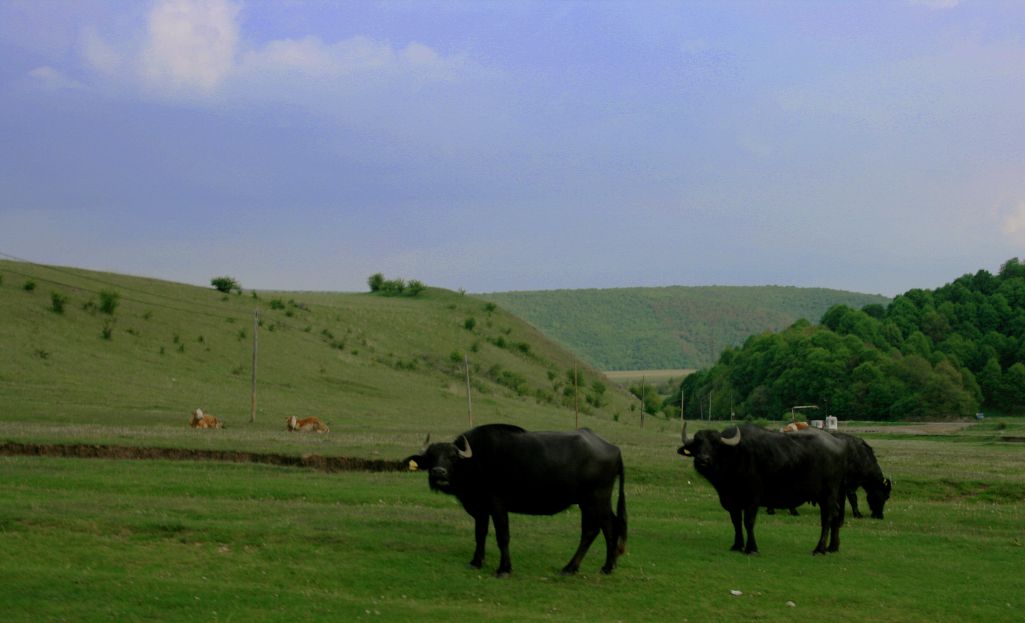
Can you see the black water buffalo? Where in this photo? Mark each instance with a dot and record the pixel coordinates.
(504, 469)
(753, 467)
(862, 471)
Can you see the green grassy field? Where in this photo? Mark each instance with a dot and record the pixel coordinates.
(155, 540)
(86, 540)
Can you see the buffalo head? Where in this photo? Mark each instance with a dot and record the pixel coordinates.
(441, 461)
(877, 492)
(705, 446)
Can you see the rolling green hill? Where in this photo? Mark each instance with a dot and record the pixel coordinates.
(672, 327)
(375, 368)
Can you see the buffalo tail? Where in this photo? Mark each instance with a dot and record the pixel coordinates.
(621, 513)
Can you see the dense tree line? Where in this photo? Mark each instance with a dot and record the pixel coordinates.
(942, 353)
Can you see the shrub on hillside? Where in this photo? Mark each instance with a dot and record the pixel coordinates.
(394, 287)
(226, 285)
(109, 300)
(29, 286)
(57, 302)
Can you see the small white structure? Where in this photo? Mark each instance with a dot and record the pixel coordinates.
(831, 422)
(816, 423)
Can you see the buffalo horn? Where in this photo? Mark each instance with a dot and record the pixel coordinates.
(427, 442)
(732, 441)
(465, 453)
(683, 434)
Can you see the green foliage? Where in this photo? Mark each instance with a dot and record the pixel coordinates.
(226, 285)
(395, 287)
(109, 300)
(664, 328)
(470, 323)
(57, 302)
(415, 287)
(29, 285)
(277, 304)
(929, 354)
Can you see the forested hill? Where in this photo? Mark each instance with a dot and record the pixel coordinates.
(928, 354)
(671, 327)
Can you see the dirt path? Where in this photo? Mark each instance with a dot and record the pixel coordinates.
(917, 428)
(309, 461)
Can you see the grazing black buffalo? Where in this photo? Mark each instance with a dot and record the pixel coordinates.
(754, 467)
(863, 471)
(504, 469)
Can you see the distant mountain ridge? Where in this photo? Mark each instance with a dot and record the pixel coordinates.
(668, 327)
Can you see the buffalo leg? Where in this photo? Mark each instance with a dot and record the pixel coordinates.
(827, 514)
(612, 551)
(481, 533)
(589, 527)
(738, 530)
(852, 497)
(749, 523)
(501, 519)
(839, 511)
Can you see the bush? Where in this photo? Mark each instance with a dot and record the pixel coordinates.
(415, 287)
(226, 285)
(375, 281)
(57, 302)
(470, 323)
(29, 286)
(108, 301)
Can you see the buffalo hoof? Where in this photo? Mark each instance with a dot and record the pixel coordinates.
(607, 570)
(567, 571)
(502, 575)
(737, 548)
(476, 564)
(818, 551)
(753, 552)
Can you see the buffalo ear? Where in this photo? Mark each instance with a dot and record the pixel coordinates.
(415, 463)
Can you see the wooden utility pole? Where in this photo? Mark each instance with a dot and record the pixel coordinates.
(642, 402)
(252, 395)
(576, 397)
(469, 404)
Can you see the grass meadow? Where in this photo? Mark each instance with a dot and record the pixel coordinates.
(97, 540)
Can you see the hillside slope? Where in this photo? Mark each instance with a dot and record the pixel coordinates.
(672, 327)
(374, 368)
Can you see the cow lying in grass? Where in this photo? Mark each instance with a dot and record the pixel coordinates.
(310, 424)
(203, 420)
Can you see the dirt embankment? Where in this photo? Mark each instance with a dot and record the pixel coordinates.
(310, 461)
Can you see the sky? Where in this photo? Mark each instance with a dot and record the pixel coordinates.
(872, 146)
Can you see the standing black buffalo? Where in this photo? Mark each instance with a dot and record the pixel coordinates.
(504, 469)
(862, 471)
(755, 467)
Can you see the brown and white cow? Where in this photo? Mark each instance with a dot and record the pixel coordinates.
(310, 424)
(794, 427)
(203, 420)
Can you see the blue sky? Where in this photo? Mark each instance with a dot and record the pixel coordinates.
(488, 146)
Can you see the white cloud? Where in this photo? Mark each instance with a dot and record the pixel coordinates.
(312, 57)
(99, 55)
(1014, 223)
(51, 79)
(191, 45)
